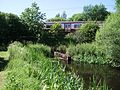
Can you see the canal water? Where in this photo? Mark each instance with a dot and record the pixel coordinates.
(111, 76)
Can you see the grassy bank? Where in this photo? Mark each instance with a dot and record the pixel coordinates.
(30, 68)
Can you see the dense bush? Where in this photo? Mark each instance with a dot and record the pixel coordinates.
(11, 28)
(87, 53)
(54, 36)
(40, 48)
(86, 33)
(109, 38)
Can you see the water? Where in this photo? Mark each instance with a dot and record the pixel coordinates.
(110, 75)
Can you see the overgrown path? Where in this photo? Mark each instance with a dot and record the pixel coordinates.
(3, 63)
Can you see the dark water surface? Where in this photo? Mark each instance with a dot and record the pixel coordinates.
(110, 75)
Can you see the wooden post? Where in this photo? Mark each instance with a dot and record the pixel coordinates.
(52, 52)
(69, 60)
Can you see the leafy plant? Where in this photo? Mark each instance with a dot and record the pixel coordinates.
(109, 38)
(87, 53)
(32, 18)
(86, 33)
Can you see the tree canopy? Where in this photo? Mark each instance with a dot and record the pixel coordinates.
(58, 17)
(64, 15)
(33, 19)
(95, 13)
(118, 5)
(77, 17)
(11, 28)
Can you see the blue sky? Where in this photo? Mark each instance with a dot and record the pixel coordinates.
(52, 7)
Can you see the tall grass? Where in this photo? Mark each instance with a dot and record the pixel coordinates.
(31, 69)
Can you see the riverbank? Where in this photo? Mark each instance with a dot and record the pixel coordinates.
(3, 63)
(32, 64)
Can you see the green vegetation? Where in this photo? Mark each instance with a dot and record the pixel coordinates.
(54, 36)
(4, 54)
(59, 17)
(118, 5)
(109, 38)
(95, 13)
(102, 47)
(86, 33)
(77, 17)
(55, 19)
(11, 29)
(87, 53)
(30, 69)
(106, 48)
(32, 18)
(92, 13)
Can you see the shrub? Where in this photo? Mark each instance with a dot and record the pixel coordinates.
(54, 36)
(62, 48)
(109, 38)
(40, 48)
(87, 52)
(86, 33)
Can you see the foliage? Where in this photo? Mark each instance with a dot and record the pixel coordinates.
(87, 53)
(62, 48)
(77, 17)
(118, 5)
(34, 71)
(95, 13)
(109, 38)
(64, 15)
(86, 33)
(11, 28)
(57, 15)
(33, 19)
(56, 19)
(55, 35)
(41, 49)
(29, 69)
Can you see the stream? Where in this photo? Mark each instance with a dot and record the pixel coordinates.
(110, 75)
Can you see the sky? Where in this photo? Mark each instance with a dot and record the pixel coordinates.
(53, 7)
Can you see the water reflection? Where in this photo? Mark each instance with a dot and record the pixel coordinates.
(101, 72)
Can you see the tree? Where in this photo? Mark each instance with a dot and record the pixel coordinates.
(57, 15)
(64, 15)
(11, 28)
(33, 19)
(109, 39)
(55, 35)
(118, 5)
(77, 17)
(95, 13)
(86, 33)
(55, 19)
(58, 18)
